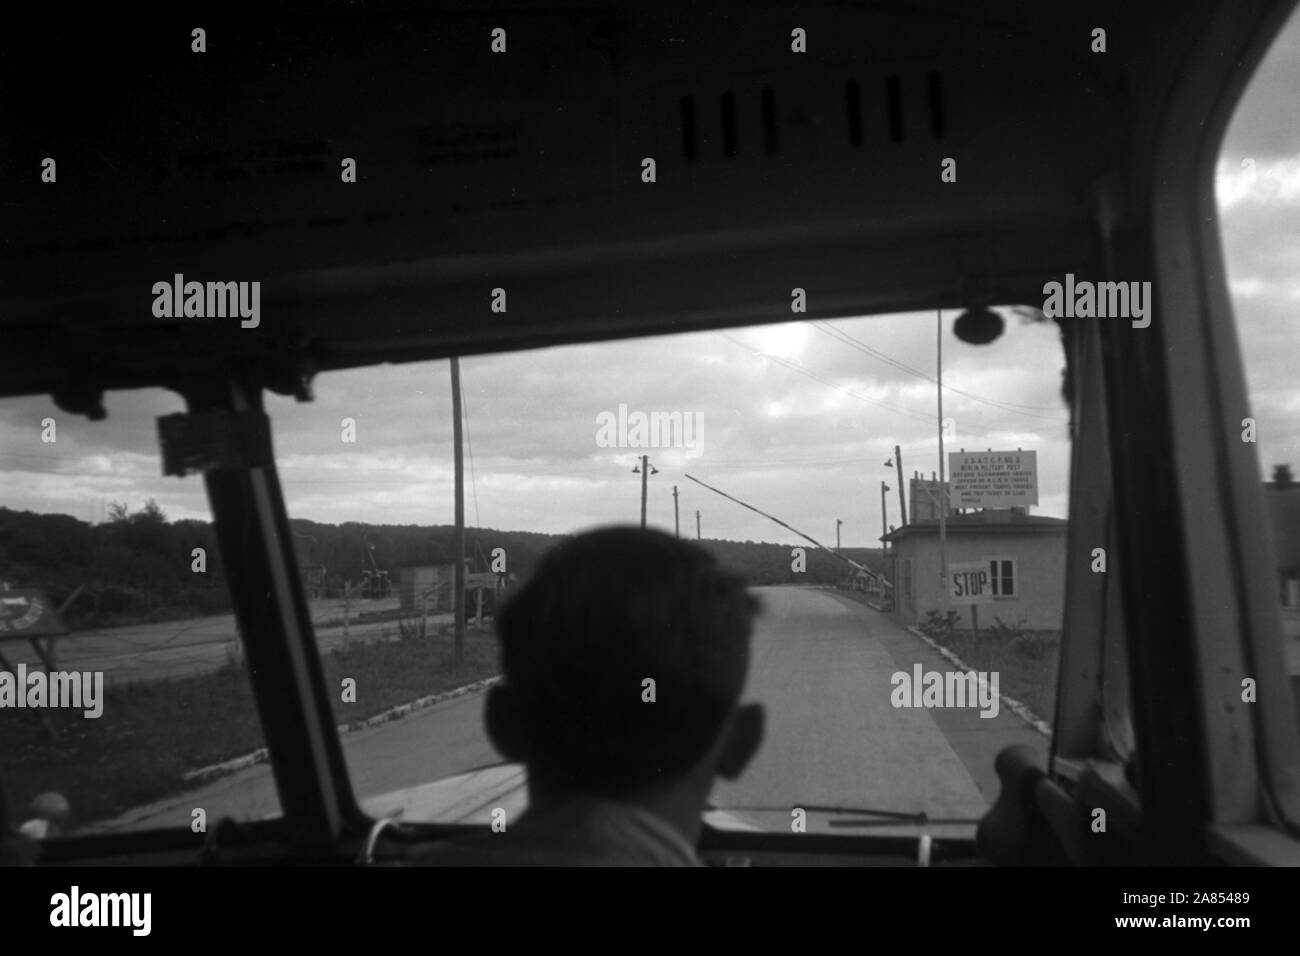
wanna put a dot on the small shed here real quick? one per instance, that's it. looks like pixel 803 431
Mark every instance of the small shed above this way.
pixel 438 582
pixel 435 580
pixel 1025 555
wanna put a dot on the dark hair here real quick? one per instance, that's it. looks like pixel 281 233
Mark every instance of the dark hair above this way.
pixel 604 611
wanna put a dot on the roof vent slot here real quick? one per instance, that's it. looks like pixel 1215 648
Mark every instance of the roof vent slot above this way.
pixel 936 106
pixel 769 121
pixel 853 108
pixel 729 124
pixel 688 128
pixel 894 98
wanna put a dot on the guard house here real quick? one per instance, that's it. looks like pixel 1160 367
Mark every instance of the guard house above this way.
pixel 438 581
pixel 1025 555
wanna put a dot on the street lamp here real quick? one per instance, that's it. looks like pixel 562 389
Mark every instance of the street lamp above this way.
pixel 645 471
pixel 889 463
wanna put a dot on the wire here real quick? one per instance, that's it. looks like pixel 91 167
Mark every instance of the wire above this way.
pixel 840 335
pixel 840 388
pixel 824 381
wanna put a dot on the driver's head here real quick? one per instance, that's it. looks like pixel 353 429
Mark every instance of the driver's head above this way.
pixel 623 660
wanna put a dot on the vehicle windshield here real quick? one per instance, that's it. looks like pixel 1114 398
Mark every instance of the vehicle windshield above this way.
pixel 790 451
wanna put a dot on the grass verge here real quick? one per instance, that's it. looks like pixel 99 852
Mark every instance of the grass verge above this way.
pixel 1025 661
pixel 151 734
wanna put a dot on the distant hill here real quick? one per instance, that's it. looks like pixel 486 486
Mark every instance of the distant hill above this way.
pixel 138 566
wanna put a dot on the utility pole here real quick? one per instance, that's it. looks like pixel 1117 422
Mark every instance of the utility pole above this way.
pixel 697 526
pixel 646 470
pixel 838 522
pixel 943 498
pixel 677 522
pixel 884 529
pixel 458 573
pixel 902 501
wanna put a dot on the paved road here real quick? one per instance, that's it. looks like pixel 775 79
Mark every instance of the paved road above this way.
pixel 822 666
pixel 142 652
pixel 822 669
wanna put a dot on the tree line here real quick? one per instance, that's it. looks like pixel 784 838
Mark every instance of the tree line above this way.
pixel 138 565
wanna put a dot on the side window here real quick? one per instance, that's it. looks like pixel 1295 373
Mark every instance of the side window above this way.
pixel 1258 194
pixel 137 710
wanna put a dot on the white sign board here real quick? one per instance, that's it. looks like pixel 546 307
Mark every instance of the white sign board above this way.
pixel 970 583
pixel 28 613
pixel 993 479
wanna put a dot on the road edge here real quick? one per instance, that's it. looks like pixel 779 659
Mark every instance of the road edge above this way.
pixel 1013 705
pixel 261 755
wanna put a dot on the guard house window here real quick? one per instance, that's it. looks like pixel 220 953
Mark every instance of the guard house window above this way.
pixel 907 577
pixel 1002 575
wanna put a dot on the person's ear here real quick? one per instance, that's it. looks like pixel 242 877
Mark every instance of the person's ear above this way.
pixel 742 738
pixel 504 727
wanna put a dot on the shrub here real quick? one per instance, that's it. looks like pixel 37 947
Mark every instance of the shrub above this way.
pixel 939 625
pixel 1032 644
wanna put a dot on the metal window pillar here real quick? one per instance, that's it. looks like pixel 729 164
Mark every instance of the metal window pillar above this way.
pixel 226 435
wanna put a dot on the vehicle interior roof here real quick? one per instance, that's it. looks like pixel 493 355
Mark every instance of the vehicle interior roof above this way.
pixel 523 172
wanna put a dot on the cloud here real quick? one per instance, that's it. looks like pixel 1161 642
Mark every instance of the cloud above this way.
pixel 805 440
pixel 1257 182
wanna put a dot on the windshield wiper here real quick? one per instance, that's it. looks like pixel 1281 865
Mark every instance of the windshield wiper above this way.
pixel 921 818
pixel 881 818
pixel 918 817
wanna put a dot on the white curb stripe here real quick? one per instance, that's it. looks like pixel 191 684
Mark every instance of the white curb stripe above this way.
pixel 1013 705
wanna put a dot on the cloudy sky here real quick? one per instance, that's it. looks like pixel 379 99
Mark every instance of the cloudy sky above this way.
pixel 796 419
pixel 1259 204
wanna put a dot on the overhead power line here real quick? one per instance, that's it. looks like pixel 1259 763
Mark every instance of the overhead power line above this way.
pixel 841 336
pixel 928 420
pixel 827 382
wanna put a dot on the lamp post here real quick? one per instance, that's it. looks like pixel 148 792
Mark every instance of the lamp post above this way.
pixel 943 503
pixel 645 470
pixel 884 490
